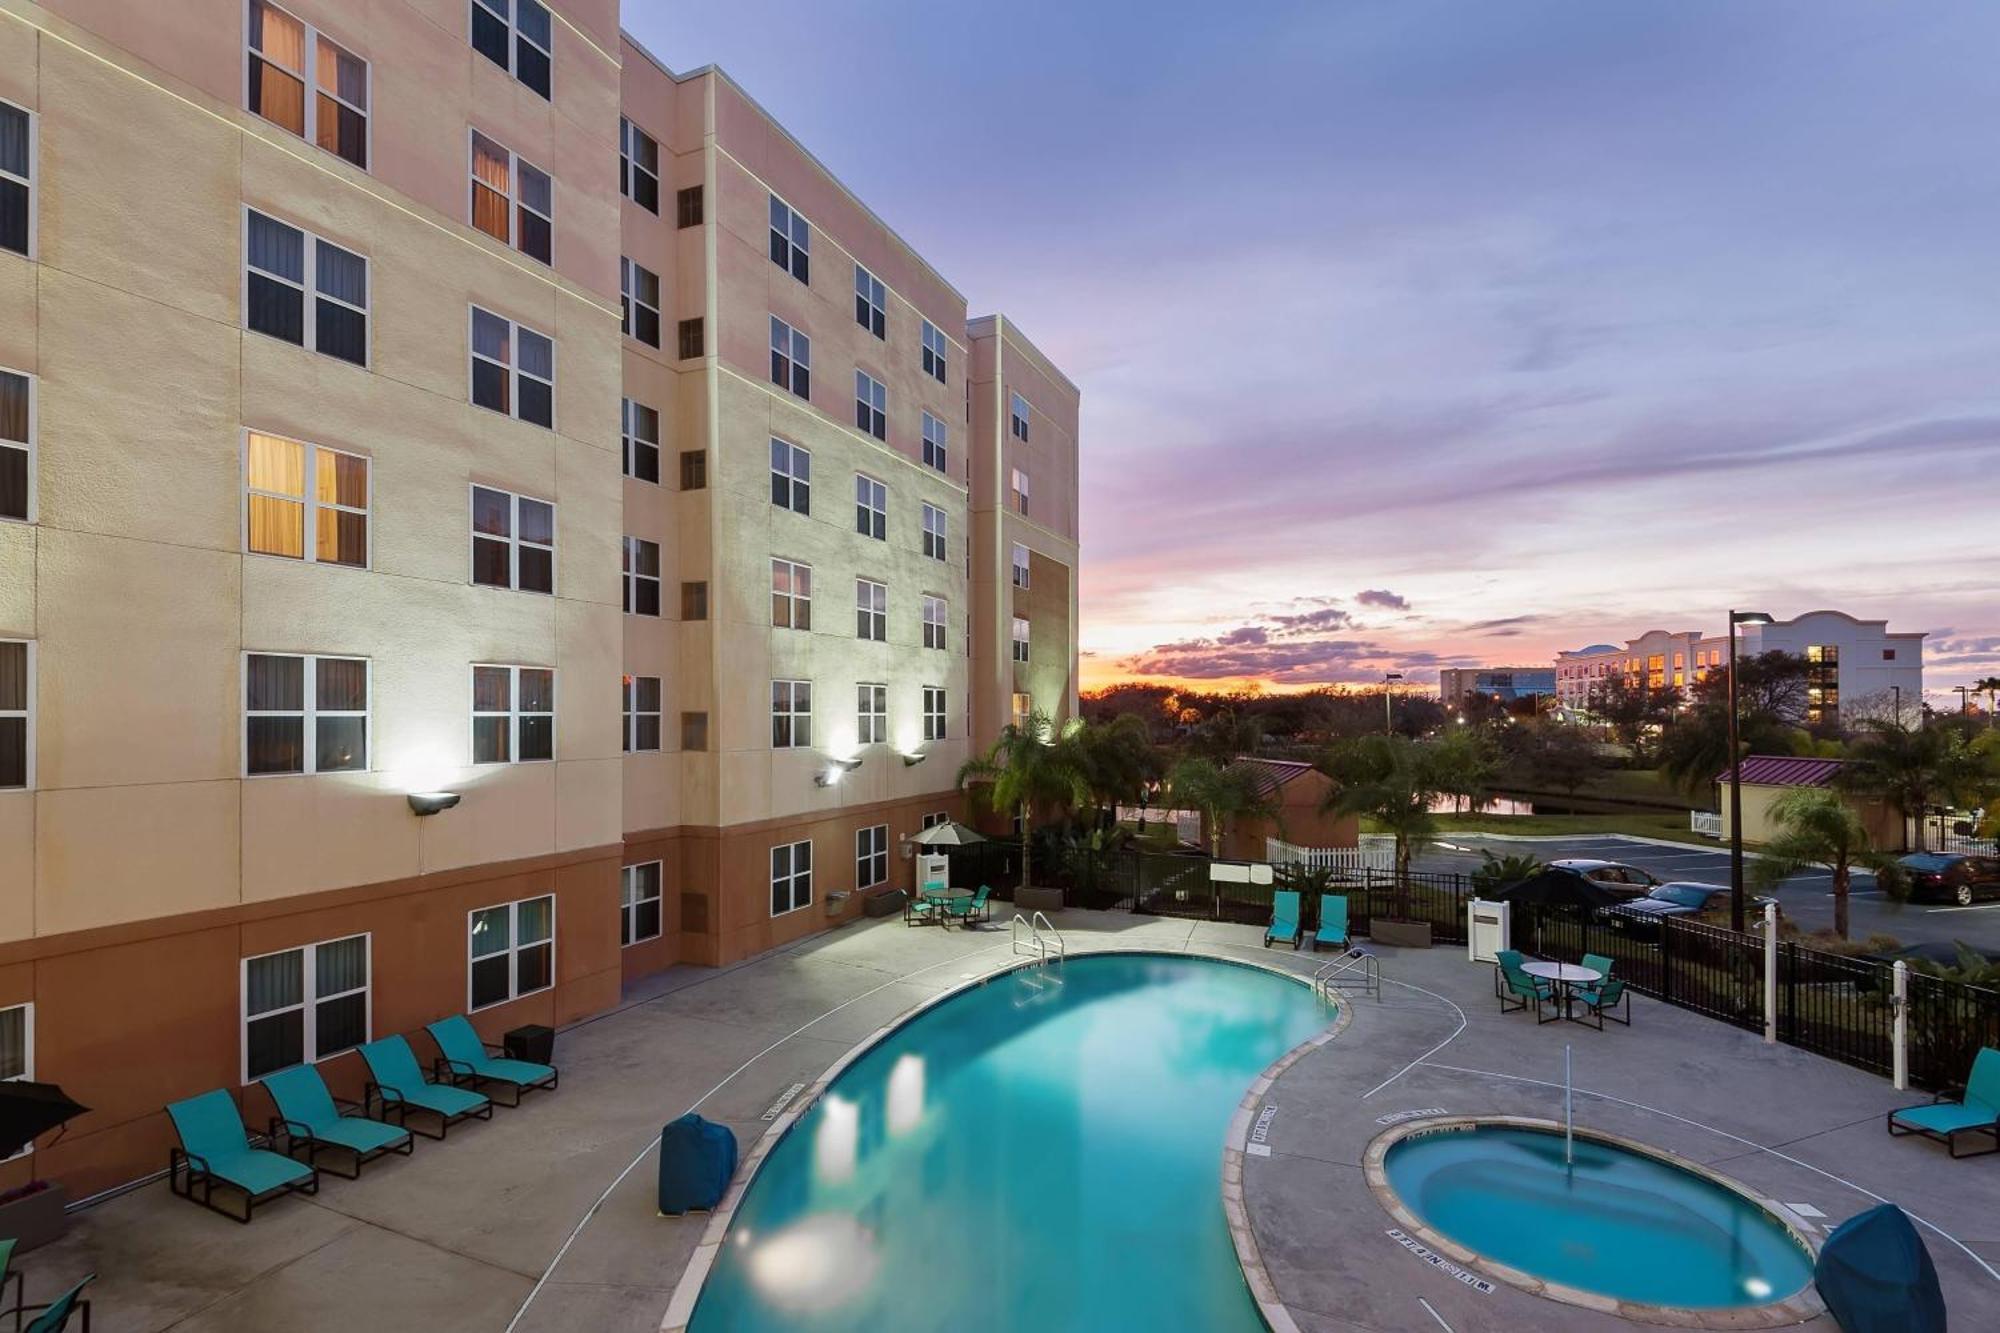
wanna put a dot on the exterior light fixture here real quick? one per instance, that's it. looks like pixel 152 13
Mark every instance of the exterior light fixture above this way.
pixel 430 802
pixel 835 770
pixel 911 760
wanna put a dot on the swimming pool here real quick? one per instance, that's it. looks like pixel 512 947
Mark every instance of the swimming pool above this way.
pixel 1619 1222
pixel 1042 1151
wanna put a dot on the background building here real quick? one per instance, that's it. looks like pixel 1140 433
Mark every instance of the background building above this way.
pixel 1505 684
pixel 414 386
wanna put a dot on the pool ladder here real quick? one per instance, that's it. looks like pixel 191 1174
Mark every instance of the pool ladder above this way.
pixel 1339 976
pixel 1044 941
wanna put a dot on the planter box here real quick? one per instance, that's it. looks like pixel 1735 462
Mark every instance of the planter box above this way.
pixel 884 904
pixel 1029 901
pixel 35 1219
pixel 1400 934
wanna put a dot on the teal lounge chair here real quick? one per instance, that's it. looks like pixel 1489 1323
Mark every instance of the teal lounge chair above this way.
pixel 309 1118
pixel 968 910
pixel 397 1086
pixel 55 1316
pixel 1284 918
pixel 1332 921
pixel 463 1058
pixel 1978 1112
pixel 1517 989
pixel 215 1150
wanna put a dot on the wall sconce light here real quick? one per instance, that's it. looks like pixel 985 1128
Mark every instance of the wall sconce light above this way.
pixel 912 760
pixel 430 802
pixel 835 770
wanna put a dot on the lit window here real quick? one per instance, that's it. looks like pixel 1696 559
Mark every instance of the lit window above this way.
pixel 512 202
pixel 1020 639
pixel 871 507
pixel 934 710
pixel 305 501
pixel 933 354
pixel 937 453
pixel 791 477
pixel 1020 565
pixel 304 1004
pixel 791 241
pixel 306 82
pixel 871 403
pixel 515 35
pixel 870 302
pixel 513 714
pixel 640 700
pixel 936 617
pixel 871 714
pixel 1024 708
pixel 513 541
pixel 871 610
pixel 642 577
pixel 934 532
pixel 17 713
pixel 17 183
pixel 17 446
pixel 1018 421
pixel 791 877
pixel 513 369
pixel 291 269
pixel 791 359
pixel 638 166
pixel 510 951
pixel 639 437
pixel 871 856
pixel 639 293
pixel 639 903
pixel 1020 491
pixel 304 714
pixel 791 595
pixel 791 714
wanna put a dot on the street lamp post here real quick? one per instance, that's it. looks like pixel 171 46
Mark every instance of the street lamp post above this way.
pixel 1899 704
pixel 1736 774
pixel 1965 693
pixel 1388 718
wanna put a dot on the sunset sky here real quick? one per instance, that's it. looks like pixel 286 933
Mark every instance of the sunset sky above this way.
pixel 1416 334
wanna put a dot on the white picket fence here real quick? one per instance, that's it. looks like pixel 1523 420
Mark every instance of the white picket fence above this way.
pixel 1708 823
pixel 1370 855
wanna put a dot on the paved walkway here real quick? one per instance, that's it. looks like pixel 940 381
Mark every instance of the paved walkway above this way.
pixel 494 1228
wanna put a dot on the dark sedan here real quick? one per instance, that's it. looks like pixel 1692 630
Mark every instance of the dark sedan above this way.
pixel 1952 877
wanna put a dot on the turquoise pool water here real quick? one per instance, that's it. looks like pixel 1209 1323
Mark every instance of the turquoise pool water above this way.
pixel 1031 1154
pixel 1620 1223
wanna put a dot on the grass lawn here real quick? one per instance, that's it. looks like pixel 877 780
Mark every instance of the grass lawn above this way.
pixel 1638 824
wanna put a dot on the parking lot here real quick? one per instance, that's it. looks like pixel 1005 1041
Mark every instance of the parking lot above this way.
pixel 1807 900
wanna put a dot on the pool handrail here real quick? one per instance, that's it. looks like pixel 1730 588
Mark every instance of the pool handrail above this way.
pixel 1332 976
pixel 1041 948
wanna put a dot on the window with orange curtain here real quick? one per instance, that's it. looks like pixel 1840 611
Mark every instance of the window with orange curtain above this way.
pixel 305 81
pixel 512 201
pixel 277 67
pixel 492 190
pixel 306 502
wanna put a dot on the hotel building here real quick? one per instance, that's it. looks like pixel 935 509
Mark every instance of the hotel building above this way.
pixel 424 378
pixel 1502 683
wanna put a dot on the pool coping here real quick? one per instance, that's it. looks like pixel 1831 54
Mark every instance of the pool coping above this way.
pixel 687 1290
pixel 1798 1308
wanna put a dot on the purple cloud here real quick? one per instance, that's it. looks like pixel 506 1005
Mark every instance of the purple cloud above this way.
pixel 1382 597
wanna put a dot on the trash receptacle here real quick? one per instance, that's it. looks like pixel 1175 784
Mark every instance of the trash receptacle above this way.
pixel 697 1159
pixel 533 1042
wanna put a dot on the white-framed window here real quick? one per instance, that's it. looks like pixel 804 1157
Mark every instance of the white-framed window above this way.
pixel 513 201
pixel 791 714
pixel 288 271
pixel 791 241
pixel 510 951
pixel 642 577
pixel 17 445
pixel 871 405
pixel 935 532
pixel 17 713
pixel 871 714
pixel 791 877
pixel 934 711
pixel 300 79
pixel 1020 565
pixel 871 856
pixel 304 501
pixel 305 1004
pixel 639 903
pixel 937 817
pixel 791 359
pixel 871 302
pixel 1018 417
pixel 513 714
pixel 937 615
pixel 871 610
pixel 639 439
pixel 513 368
pixel 1024 707
pixel 304 714
pixel 17 1048
pixel 640 699
pixel 638 166
pixel 1020 639
pixel 937 448
pixel 791 476
pixel 1020 491
pixel 17 179
pixel 871 507
pixel 934 351
pixel 516 36
pixel 639 292
pixel 513 541
pixel 791 594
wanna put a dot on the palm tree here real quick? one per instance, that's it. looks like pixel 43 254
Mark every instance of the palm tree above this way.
pixel 1394 781
pixel 1221 793
pixel 1817 827
pixel 1116 758
pixel 1022 771
pixel 1916 769
pixel 1990 687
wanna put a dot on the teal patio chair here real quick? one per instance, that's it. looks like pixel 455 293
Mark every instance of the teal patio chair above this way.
pixel 967 910
pixel 1510 983
pixel 1603 1000
pixel 1978 1112
pixel 55 1316
pixel 9 1275
pixel 309 1118
pixel 918 909
pixel 215 1150
pixel 1332 921
pixel 463 1058
pixel 1284 918
pixel 397 1086
pixel 1599 964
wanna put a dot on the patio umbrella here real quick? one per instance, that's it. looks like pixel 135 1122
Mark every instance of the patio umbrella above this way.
pixel 951 833
pixel 29 1110
pixel 1552 886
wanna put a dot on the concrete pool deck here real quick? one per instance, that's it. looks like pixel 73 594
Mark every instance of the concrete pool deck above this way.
pixel 462 1234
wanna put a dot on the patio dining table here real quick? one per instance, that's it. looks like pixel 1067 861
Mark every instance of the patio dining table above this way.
pixel 944 898
pixel 1566 977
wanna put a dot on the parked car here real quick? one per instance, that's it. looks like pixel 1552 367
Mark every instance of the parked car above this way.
pixel 1958 877
pixel 1674 898
pixel 1619 878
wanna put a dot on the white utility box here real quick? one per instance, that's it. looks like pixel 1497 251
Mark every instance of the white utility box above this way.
pixel 1489 928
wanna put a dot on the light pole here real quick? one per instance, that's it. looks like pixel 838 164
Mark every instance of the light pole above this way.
pixel 1388 719
pixel 1899 705
pixel 1965 693
pixel 1736 774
